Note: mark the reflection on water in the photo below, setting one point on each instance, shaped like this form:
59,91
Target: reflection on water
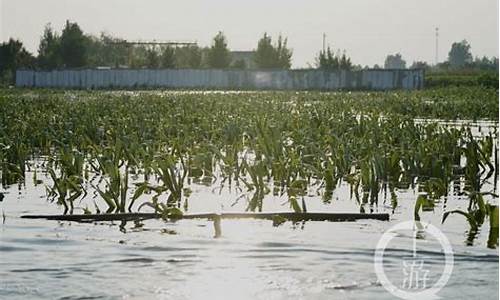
251,260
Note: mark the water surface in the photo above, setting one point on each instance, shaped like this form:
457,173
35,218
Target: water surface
42,259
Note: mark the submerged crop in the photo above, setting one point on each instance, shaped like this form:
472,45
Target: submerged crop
146,149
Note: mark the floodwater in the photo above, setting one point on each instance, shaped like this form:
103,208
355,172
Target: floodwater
42,259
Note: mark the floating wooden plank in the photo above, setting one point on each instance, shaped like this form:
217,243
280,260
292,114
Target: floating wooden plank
289,216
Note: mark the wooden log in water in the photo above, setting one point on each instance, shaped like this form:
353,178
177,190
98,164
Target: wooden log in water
290,216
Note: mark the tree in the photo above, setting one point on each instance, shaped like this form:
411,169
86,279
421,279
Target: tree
283,54
152,59
264,55
96,52
168,58
219,56
395,61
13,56
345,62
420,65
268,56
73,46
239,64
459,54
485,63
48,50
327,60
106,50
443,66
140,57
188,57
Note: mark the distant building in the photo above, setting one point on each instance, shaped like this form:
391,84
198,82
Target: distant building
243,59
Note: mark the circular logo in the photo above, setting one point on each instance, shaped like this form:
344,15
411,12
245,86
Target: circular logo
415,275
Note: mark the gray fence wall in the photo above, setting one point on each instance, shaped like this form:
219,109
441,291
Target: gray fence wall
222,79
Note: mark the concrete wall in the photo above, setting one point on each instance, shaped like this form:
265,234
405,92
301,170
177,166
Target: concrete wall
222,79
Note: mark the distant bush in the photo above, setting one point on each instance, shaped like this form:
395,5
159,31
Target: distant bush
488,80
445,79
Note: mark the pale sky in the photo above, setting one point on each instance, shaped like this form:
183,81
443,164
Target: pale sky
367,29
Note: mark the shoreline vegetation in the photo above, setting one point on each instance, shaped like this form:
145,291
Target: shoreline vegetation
72,48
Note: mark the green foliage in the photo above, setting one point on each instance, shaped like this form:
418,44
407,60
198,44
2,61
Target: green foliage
146,150
477,156
459,54
188,57
48,50
13,160
265,56
472,222
464,79
278,220
13,56
485,64
493,235
422,203
478,65
168,58
106,50
420,65
73,46
219,56
67,186
239,64
394,61
269,56
152,59
327,60
283,53
489,80
74,49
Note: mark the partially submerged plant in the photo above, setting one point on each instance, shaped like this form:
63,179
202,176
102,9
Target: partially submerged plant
67,179
149,148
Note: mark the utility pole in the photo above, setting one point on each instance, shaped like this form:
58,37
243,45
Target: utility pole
1,25
437,46
324,42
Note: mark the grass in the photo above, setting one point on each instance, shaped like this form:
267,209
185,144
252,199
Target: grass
462,79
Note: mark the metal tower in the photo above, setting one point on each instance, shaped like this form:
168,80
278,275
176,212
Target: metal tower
437,46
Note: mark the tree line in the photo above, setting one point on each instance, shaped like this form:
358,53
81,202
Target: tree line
72,48
460,58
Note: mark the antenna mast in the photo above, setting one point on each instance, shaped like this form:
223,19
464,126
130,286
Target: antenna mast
324,42
437,45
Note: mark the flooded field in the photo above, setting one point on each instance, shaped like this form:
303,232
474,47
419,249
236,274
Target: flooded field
177,153
252,259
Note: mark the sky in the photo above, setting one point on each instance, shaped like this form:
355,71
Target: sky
367,30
